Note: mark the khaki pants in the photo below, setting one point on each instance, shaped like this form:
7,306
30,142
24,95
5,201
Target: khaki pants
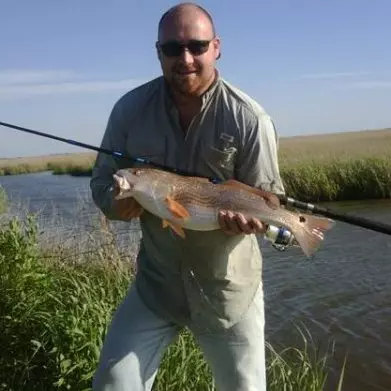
137,339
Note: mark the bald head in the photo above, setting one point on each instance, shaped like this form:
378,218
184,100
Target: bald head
185,13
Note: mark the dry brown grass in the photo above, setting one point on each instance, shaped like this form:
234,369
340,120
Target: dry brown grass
45,159
23,165
326,147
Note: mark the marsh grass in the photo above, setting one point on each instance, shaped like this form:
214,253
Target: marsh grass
73,169
3,200
336,146
330,167
337,167
54,312
60,162
337,180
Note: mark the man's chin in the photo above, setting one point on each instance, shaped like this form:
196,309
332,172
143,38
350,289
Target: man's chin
187,87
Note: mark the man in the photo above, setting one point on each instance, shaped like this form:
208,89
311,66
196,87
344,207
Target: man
210,282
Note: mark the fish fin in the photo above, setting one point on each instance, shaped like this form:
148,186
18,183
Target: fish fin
177,209
311,232
175,227
271,199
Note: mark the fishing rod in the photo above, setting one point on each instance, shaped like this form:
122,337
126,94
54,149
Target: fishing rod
285,200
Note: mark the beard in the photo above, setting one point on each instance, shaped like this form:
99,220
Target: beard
187,84
190,81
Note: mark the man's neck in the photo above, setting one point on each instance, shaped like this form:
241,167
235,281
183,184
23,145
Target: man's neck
184,101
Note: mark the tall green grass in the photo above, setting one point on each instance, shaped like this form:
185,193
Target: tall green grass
54,315
3,200
338,180
72,169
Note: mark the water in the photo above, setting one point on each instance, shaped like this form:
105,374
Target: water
342,295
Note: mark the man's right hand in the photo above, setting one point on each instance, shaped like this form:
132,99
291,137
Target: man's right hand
127,208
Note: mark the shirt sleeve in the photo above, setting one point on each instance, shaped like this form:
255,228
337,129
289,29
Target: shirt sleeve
106,165
258,163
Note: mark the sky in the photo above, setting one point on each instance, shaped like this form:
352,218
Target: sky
315,66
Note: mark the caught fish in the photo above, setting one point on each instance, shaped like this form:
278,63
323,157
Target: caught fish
193,203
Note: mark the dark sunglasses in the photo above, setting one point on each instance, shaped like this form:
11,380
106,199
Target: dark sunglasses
195,46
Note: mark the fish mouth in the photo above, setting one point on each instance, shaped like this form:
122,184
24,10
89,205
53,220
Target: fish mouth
121,186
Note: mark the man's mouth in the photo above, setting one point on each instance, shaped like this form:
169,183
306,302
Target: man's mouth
185,72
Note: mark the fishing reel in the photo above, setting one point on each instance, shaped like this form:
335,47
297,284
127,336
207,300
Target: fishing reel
280,238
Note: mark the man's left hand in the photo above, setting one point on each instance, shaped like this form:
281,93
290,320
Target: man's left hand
235,223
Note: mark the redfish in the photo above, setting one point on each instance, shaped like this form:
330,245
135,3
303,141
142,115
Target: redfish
193,203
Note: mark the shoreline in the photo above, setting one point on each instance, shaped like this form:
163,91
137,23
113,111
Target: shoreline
314,168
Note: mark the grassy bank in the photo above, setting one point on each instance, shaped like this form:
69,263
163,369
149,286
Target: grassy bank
339,179
63,163
334,167
54,314
3,200
73,169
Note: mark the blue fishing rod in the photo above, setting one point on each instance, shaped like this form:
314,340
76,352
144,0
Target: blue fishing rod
285,200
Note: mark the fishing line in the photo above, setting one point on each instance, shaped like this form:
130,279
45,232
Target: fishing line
285,200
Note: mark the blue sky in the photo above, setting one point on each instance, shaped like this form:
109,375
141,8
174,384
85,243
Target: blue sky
315,66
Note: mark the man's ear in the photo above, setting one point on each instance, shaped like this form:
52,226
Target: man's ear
217,45
158,52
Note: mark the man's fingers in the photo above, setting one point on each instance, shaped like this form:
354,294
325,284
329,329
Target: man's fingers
226,224
240,223
235,223
221,219
127,208
257,225
133,213
232,223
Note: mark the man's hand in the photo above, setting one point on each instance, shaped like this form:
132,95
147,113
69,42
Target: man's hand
235,223
127,208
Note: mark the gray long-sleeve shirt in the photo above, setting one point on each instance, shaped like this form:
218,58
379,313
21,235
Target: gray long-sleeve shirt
209,278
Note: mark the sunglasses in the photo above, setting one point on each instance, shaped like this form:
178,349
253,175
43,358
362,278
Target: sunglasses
195,46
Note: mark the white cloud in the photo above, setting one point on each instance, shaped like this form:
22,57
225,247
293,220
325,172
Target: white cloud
21,84
366,85
24,76
333,75
25,91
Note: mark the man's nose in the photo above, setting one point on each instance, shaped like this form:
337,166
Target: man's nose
187,57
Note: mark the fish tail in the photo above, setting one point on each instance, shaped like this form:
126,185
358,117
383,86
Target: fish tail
309,233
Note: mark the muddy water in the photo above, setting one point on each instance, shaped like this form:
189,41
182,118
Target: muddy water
343,295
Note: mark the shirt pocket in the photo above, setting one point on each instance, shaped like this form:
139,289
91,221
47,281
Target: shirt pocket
221,161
